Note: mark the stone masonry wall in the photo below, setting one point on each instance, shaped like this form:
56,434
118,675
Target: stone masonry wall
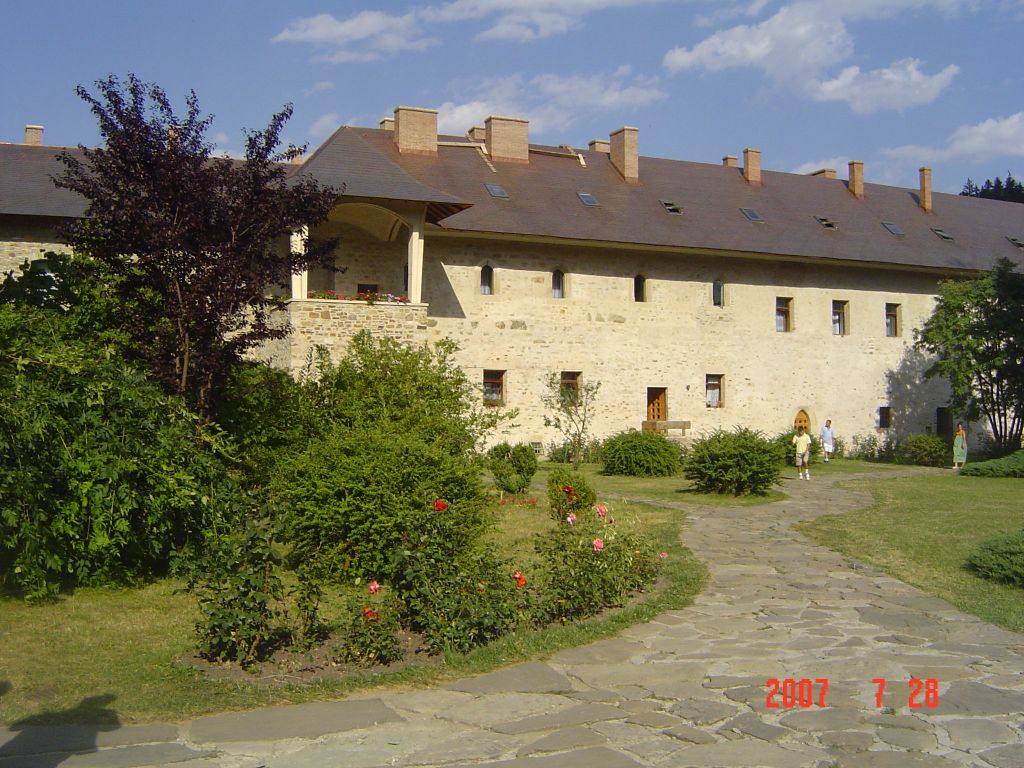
25,239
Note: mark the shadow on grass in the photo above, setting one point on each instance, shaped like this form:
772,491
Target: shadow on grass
38,743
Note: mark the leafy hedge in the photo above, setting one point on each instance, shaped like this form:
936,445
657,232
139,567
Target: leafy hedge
512,467
740,462
640,454
924,450
1007,466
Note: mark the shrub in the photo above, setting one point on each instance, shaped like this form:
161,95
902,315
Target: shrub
371,633
923,450
784,442
838,447
513,467
588,566
459,597
740,462
640,454
1000,559
103,478
1008,466
569,492
562,453
871,448
239,598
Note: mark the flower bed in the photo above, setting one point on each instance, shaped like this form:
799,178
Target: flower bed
370,297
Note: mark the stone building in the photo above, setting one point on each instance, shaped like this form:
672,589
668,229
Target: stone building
709,294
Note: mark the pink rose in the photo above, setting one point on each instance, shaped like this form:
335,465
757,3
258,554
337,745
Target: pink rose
571,519
598,545
663,555
374,587
602,510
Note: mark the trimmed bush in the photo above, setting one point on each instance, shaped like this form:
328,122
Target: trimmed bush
569,492
740,462
371,635
512,467
562,453
1000,559
640,454
923,450
1007,466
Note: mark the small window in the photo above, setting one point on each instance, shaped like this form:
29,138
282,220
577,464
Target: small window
569,385
894,228
943,422
494,387
826,222
558,284
588,199
783,314
671,207
718,293
753,215
1016,241
942,233
405,278
639,288
884,417
496,191
368,287
713,390
486,280
840,310
892,320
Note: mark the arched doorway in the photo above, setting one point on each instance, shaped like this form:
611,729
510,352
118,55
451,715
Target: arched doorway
802,420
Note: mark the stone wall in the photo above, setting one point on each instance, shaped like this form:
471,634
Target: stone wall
25,238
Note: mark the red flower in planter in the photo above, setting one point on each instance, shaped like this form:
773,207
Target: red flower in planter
440,505
369,614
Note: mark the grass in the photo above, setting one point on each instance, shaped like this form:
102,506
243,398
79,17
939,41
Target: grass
124,644
921,530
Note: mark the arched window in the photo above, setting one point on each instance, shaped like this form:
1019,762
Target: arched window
486,280
558,284
639,288
718,293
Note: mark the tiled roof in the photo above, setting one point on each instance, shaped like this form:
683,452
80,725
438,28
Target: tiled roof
26,182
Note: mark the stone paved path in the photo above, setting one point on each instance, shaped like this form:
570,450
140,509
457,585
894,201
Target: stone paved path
687,689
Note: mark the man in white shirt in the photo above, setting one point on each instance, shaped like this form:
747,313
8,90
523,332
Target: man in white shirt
826,439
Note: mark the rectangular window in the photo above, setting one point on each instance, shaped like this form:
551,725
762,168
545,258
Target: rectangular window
569,385
892,319
783,314
944,422
884,417
494,387
718,293
713,390
558,284
840,325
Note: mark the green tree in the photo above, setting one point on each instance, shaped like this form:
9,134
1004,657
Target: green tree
977,337
1011,190
571,409
193,243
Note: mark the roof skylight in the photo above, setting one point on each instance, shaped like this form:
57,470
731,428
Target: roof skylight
588,199
1016,241
753,215
894,228
497,191
942,233
671,207
826,222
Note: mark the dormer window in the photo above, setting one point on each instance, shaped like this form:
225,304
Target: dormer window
826,222
671,207
588,199
1016,241
942,233
894,228
753,215
496,191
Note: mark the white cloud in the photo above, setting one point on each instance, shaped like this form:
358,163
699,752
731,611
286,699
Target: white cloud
551,102
897,86
324,125
319,87
995,137
837,164
374,32
804,41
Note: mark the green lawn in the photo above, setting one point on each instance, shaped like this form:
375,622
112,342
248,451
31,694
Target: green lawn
125,643
921,530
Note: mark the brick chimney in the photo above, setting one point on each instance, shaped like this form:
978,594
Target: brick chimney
730,161
857,178
828,173
926,190
387,123
752,165
477,133
416,130
624,153
600,145
508,138
34,135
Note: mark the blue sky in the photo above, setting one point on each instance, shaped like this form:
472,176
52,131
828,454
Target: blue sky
811,83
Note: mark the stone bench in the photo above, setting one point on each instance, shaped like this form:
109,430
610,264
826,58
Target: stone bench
665,426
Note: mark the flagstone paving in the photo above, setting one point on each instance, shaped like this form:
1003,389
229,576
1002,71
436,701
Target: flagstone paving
687,690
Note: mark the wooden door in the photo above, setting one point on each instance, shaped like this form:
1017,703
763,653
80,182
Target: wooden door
657,404
802,420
